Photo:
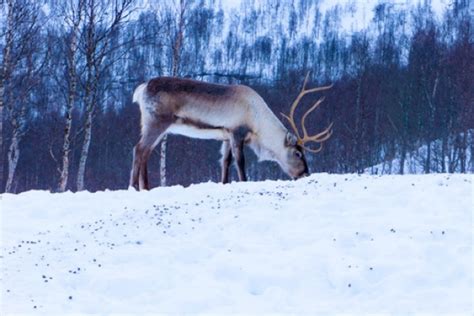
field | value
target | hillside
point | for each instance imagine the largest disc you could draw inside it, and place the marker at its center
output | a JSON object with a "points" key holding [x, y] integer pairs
{"points": [[326, 243], [415, 162]]}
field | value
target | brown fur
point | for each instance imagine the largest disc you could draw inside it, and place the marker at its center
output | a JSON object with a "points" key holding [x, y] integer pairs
{"points": [[179, 85], [234, 114], [197, 124]]}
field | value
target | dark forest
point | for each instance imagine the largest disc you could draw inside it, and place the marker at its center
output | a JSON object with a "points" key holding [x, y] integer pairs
{"points": [[403, 85]]}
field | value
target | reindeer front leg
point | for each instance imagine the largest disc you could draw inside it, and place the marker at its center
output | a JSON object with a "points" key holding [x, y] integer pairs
{"points": [[237, 148], [226, 160]]}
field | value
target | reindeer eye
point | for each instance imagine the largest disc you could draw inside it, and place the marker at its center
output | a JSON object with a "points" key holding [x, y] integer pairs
{"points": [[298, 154]]}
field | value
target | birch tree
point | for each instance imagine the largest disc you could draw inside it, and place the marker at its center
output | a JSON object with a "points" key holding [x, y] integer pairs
{"points": [[176, 49], [73, 14], [18, 64], [102, 19], [5, 73]]}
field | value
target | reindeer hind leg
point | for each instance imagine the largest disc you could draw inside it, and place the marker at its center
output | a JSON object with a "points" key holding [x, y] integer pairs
{"points": [[135, 168], [151, 136], [141, 153], [237, 148]]}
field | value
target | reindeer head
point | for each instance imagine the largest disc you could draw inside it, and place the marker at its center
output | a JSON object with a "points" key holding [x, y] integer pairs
{"points": [[296, 143]]}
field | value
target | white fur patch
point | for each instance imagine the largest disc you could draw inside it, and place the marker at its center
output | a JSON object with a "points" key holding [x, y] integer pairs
{"points": [[139, 93], [200, 133]]}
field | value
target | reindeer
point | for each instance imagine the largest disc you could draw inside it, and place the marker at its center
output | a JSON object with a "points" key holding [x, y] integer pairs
{"points": [[233, 114]]}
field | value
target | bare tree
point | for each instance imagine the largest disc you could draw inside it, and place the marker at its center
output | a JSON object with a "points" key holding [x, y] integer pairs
{"points": [[18, 64], [176, 47], [102, 19], [73, 14], [5, 73]]}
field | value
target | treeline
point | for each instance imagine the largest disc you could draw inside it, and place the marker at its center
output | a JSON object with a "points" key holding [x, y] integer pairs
{"points": [[69, 69]]}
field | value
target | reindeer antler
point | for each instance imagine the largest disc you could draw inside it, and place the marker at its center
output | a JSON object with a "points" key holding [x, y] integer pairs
{"points": [[318, 138]]}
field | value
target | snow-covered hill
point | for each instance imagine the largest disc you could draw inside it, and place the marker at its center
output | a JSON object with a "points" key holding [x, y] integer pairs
{"points": [[414, 162], [327, 243]]}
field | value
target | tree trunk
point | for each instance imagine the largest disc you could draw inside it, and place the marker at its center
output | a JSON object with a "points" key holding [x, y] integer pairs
{"points": [[444, 153], [2, 163], [84, 151], [178, 39], [63, 179], [4, 76], [403, 155], [89, 103], [174, 72], [356, 145], [472, 151], [18, 130], [66, 149], [428, 157], [90, 54], [431, 109], [462, 152], [13, 155], [67, 135]]}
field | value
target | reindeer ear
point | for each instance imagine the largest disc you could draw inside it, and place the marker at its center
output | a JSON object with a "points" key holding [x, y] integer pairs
{"points": [[291, 139]]}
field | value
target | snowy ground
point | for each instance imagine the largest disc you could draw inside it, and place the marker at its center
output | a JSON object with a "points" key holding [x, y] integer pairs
{"points": [[327, 243]]}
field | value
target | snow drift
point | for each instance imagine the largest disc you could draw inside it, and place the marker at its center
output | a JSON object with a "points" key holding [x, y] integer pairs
{"points": [[326, 243]]}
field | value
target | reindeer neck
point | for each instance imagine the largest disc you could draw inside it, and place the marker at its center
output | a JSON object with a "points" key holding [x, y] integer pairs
{"points": [[267, 128]]}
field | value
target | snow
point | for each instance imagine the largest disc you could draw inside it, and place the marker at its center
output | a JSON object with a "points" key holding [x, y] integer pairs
{"points": [[330, 244], [414, 162]]}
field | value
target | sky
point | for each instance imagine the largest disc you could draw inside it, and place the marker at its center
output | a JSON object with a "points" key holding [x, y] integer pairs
{"points": [[363, 13]]}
